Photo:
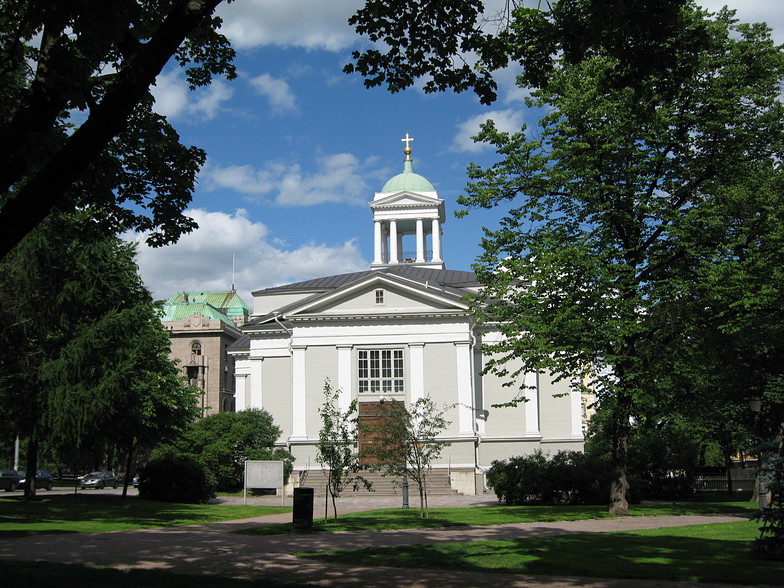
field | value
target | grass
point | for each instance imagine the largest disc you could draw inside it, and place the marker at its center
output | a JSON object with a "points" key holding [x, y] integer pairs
{"points": [[701, 553], [389, 519], [102, 513]]}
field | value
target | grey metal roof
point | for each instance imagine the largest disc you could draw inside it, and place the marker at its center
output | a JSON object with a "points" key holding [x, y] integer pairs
{"points": [[241, 344], [450, 278]]}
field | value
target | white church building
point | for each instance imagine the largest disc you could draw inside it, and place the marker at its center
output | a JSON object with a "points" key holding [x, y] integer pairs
{"points": [[399, 330]]}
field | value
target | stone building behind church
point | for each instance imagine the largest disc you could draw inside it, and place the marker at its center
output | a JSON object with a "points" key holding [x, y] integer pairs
{"points": [[399, 330], [202, 325]]}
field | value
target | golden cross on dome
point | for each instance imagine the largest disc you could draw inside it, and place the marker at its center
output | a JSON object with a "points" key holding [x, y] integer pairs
{"points": [[407, 150]]}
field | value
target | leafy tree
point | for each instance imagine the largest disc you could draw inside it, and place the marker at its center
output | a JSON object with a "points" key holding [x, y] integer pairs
{"points": [[87, 363], [222, 443], [337, 440], [406, 441], [615, 200], [456, 45], [115, 157]]}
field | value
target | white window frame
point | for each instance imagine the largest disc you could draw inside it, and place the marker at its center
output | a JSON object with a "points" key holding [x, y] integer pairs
{"points": [[381, 371]]}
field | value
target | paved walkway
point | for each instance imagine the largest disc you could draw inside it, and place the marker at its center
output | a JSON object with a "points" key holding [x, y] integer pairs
{"points": [[211, 550]]}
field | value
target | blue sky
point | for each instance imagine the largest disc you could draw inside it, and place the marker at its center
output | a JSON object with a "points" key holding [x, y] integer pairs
{"points": [[296, 150]]}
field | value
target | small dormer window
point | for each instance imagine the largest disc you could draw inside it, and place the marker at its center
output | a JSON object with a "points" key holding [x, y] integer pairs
{"points": [[379, 297]]}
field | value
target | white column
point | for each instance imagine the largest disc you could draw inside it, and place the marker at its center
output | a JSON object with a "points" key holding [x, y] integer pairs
{"points": [[394, 251], [376, 242], [479, 399], [436, 241], [240, 398], [344, 376], [576, 405], [465, 404], [531, 405], [298, 407], [417, 358], [256, 396], [384, 243], [420, 240]]}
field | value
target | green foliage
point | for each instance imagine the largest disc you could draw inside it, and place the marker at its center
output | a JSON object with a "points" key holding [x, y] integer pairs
{"points": [[428, 41], [568, 477], [123, 163], [174, 477], [222, 443], [87, 370], [621, 202], [406, 441], [337, 443]]}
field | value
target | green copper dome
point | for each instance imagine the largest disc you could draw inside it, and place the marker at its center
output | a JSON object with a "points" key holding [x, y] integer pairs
{"points": [[408, 180]]}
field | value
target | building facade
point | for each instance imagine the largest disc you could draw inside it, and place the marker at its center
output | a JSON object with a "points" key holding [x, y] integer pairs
{"points": [[399, 330], [202, 326]]}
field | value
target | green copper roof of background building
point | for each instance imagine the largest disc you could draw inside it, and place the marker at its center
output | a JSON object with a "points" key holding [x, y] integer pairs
{"points": [[226, 301], [408, 180], [221, 305], [183, 310]]}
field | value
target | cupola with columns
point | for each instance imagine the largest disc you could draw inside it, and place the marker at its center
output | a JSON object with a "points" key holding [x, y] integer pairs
{"points": [[407, 209]]}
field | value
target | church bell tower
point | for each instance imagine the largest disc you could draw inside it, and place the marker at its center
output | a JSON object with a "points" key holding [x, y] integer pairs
{"points": [[407, 219]]}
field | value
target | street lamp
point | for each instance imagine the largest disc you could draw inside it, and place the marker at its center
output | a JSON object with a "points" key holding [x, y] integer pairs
{"points": [[755, 404]]}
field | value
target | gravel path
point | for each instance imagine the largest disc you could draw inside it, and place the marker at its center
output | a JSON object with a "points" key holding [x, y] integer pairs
{"points": [[211, 550]]}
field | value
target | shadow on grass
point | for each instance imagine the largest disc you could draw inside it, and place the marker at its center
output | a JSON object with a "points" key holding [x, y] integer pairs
{"points": [[79, 513], [600, 555], [22, 573], [397, 519], [367, 521]]}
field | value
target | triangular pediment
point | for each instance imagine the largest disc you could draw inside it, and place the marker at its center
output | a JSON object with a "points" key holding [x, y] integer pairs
{"points": [[380, 295], [404, 199]]}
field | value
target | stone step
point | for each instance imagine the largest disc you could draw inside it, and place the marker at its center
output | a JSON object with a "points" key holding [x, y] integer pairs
{"points": [[438, 484]]}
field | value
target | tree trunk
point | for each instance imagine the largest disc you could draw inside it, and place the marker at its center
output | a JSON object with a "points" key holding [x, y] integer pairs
{"points": [[619, 505], [128, 471], [619, 484]]}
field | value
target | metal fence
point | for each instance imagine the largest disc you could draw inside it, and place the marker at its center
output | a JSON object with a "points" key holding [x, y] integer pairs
{"points": [[742, 480]]}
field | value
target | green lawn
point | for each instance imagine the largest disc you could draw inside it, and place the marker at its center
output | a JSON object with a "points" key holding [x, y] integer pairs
{"points": [[377, 520], [102, 513], [701, 553]]}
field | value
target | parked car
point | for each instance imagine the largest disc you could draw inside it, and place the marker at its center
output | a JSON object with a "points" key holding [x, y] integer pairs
{"points": [[99, 480], [9, 480], [136, 481], [43, 479]]}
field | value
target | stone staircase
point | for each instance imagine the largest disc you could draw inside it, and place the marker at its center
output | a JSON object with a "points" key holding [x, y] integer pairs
{"points": [[438, 484]]}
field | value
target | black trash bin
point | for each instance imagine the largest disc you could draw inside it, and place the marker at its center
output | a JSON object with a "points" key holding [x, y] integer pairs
{"points": [[302, 514]]}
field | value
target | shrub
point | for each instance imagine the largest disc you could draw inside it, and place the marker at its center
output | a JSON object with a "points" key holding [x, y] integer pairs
{"points": [[173, 477], [569, 477], [222, 443]]}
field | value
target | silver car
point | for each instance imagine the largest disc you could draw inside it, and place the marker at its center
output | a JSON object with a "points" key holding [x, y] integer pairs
{"points": [[99, 480]]}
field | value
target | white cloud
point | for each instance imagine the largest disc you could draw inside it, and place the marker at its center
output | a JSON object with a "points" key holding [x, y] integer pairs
{"points": [[753, 11], [508, 120], [311, 24], [174, 100], [340, 177], [202, 260], [277, 92]]}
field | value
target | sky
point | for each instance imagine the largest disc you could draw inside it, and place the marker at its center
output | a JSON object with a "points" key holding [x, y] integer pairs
{"points": [[296, 150]]}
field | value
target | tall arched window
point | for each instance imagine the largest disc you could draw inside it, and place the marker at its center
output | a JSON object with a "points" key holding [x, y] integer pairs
{"points": [[195, 348]]}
